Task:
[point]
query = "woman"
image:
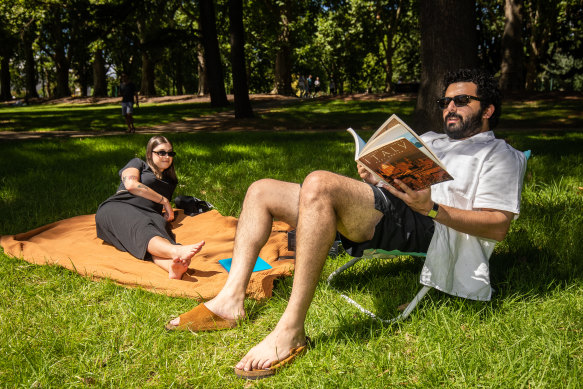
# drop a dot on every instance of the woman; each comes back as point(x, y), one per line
point(132, 219)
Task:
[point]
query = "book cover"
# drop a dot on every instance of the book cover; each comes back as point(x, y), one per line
point(396, 151)
point(401, 159)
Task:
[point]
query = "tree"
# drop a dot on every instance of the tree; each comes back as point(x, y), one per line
point(512, 66)
point(55, 38)
point(28, 36)
point(212, 56)
point(448, 42)
point(541, 20)
point(9, 39)
point(242, 104)
point(389, 18)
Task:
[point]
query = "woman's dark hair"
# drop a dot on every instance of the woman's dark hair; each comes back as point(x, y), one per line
point(487, 90)
point(153, 143)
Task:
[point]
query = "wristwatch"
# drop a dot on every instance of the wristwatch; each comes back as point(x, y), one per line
point(433, 213)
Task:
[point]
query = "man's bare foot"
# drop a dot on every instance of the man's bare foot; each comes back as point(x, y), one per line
point(228, 308)
point(275, 347)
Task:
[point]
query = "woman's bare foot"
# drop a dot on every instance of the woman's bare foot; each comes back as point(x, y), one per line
point(182, 258)
point(275, 347)
point(177, 269)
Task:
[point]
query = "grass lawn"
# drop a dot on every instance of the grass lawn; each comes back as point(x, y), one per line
point(364, 114)
point(58, 329)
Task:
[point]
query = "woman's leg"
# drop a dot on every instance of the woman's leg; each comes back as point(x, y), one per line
point(173, 258)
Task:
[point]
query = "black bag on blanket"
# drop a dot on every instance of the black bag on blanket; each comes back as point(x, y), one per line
point(191, 205)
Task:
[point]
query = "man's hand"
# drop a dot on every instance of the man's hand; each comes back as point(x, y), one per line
point(366, 175)
point(418, 200)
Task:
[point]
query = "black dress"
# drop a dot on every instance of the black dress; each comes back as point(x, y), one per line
point(129, 222)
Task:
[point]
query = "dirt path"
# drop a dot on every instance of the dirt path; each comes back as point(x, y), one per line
point(223, 121)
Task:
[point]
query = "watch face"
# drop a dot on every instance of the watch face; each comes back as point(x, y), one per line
point(433, 213)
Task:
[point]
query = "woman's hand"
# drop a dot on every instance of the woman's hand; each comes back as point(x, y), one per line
point(168, 211)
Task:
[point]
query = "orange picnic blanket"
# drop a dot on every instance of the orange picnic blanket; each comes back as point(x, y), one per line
point(73, 243)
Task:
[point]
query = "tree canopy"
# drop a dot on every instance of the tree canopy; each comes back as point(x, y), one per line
point(56, 48)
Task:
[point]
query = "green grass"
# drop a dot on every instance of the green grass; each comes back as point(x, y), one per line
point(94, 117)
point(558, 113)
point(59, 329)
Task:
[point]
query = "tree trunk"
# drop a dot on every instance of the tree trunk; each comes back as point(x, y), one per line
point(179, 81)
point(389, 68)
point(5, 93)
point(83, 80)
point(147, 87)
point(202, 74)
point(283, 60)
point(512, 67)
point(212, 55)
point(99, 77)
point(237, 37)
point(448, 42)
point(62, 69)
point(29, 63)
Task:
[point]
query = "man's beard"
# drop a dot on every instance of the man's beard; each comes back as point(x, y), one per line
point(464, 128)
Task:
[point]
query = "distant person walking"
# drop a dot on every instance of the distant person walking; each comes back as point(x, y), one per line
point(310, 86)
point(316, 86)
point(128, 91)
point(332, 87)
point(302, 85)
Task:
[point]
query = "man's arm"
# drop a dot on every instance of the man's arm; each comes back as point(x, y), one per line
point(485, 223)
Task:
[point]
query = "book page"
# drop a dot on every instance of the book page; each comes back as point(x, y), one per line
point(394, 128)
point(359, 143)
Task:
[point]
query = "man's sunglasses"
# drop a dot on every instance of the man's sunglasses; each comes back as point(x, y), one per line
point(459, 101)
point(163, 153)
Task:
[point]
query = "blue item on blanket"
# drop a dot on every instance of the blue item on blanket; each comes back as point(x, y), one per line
point(260, 264)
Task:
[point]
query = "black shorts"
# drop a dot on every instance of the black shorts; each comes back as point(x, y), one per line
point(400, 228)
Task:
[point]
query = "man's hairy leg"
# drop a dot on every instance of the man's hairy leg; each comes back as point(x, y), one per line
point(265, 200)
point(328, 202)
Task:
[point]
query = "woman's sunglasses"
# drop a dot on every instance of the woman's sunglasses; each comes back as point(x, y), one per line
point(459, 101)
point(163, 153)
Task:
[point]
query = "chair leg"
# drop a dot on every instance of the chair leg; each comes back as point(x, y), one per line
point(342, 268)
point(405, 314)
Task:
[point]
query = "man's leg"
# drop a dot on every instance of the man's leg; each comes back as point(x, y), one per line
point(265, 200)
point(328, 203)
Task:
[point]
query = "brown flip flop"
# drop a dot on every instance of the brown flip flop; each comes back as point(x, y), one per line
point(257, 374)
point(200, 318)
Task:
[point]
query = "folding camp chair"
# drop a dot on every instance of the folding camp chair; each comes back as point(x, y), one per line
point(383, 254)
point(380, 254)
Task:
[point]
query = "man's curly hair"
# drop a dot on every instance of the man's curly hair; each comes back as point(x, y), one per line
point(487, 91)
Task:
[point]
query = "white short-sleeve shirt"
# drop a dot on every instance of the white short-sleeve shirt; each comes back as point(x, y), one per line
point(488, 173)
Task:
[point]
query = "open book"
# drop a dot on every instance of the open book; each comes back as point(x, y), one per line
point(395, 151)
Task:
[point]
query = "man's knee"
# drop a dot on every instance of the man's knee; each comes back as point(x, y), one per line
point(318, 185)
point(263, 189)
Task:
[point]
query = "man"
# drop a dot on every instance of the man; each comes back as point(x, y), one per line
point(128, 91)
point(478, 206)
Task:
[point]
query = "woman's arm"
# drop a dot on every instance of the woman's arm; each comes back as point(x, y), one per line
point(131, 180)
